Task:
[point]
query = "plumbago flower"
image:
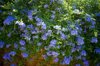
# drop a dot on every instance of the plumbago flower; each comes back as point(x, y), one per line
point(43, 25)
point(52, 53)
point(44, 37)
point(7, 57)
point(24, 55)
point(56, 60)
point(65, 30)
point(83, 53)
point(8, 45)
point(88, 17)
point(46, 6)
point(63, 36)
point(53, 43)
point(13, 65)
point(52, 16)
point(22, 48)
point(94, 40)
point(30, 14)
point(97, 50)
point(8, 20)
point(12, 53)
point(55, 54)
point(21, 24)
point(67, 60)
point(1, 44)
point(22, 42)
point(86, 63)
point(74, 32)
point(15, 45)
point(80, 40)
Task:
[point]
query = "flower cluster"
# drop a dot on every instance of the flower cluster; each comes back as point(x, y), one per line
point(65, 34)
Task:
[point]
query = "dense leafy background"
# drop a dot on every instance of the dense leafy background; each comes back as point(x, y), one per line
point(68, 30)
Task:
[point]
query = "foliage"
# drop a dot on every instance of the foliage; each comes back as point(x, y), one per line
point(68, 30)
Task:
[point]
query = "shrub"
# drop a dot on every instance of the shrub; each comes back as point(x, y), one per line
point(68, 30)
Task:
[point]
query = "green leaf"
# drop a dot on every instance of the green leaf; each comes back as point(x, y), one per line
point(95, 33)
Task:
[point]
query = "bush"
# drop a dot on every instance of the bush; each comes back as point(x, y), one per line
point(68, 30)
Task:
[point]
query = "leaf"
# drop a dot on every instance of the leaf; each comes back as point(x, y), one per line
point(95, 33)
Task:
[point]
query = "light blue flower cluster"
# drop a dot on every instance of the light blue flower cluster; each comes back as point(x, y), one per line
point(69, 34)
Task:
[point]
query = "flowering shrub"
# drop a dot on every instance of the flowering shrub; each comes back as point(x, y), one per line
point(67, 30)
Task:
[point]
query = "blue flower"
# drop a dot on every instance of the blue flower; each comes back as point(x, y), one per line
point(16, 45)
point(44, 56)
point(8, 45)
point(79, 47)
point(88, 18)
point(7, 56)
point(49, 32)
point(63, 36)
point(25, 55)
point(93, 22)
point(94, 40)
point(30, 14)
point(44, 37)
point(52, 16)
point(56, 60)
point(1, 44)
point(22, 42)
point(97, 50)
point(26, 36)
point(22, 48)
point(30, 26)
point(8, 20)
point(12, 53)
point(33, 31)
point(86, 63)
point(91, 27)
point(13, 65)
point(97, 14)
point(9, 35)
point(49, 53)
point(85, 30)
point(83, 53)
point(78, 28)
point(43, 25)
point(21, 24)
point(80, 41)
point(38, 19)
point(46, 6)
point(52, 53)
point(66, 60)
point(55, 54)
point(73, 50)
point(74, 32)
point(51, 1)
point(53, 43)
point(1, 11)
